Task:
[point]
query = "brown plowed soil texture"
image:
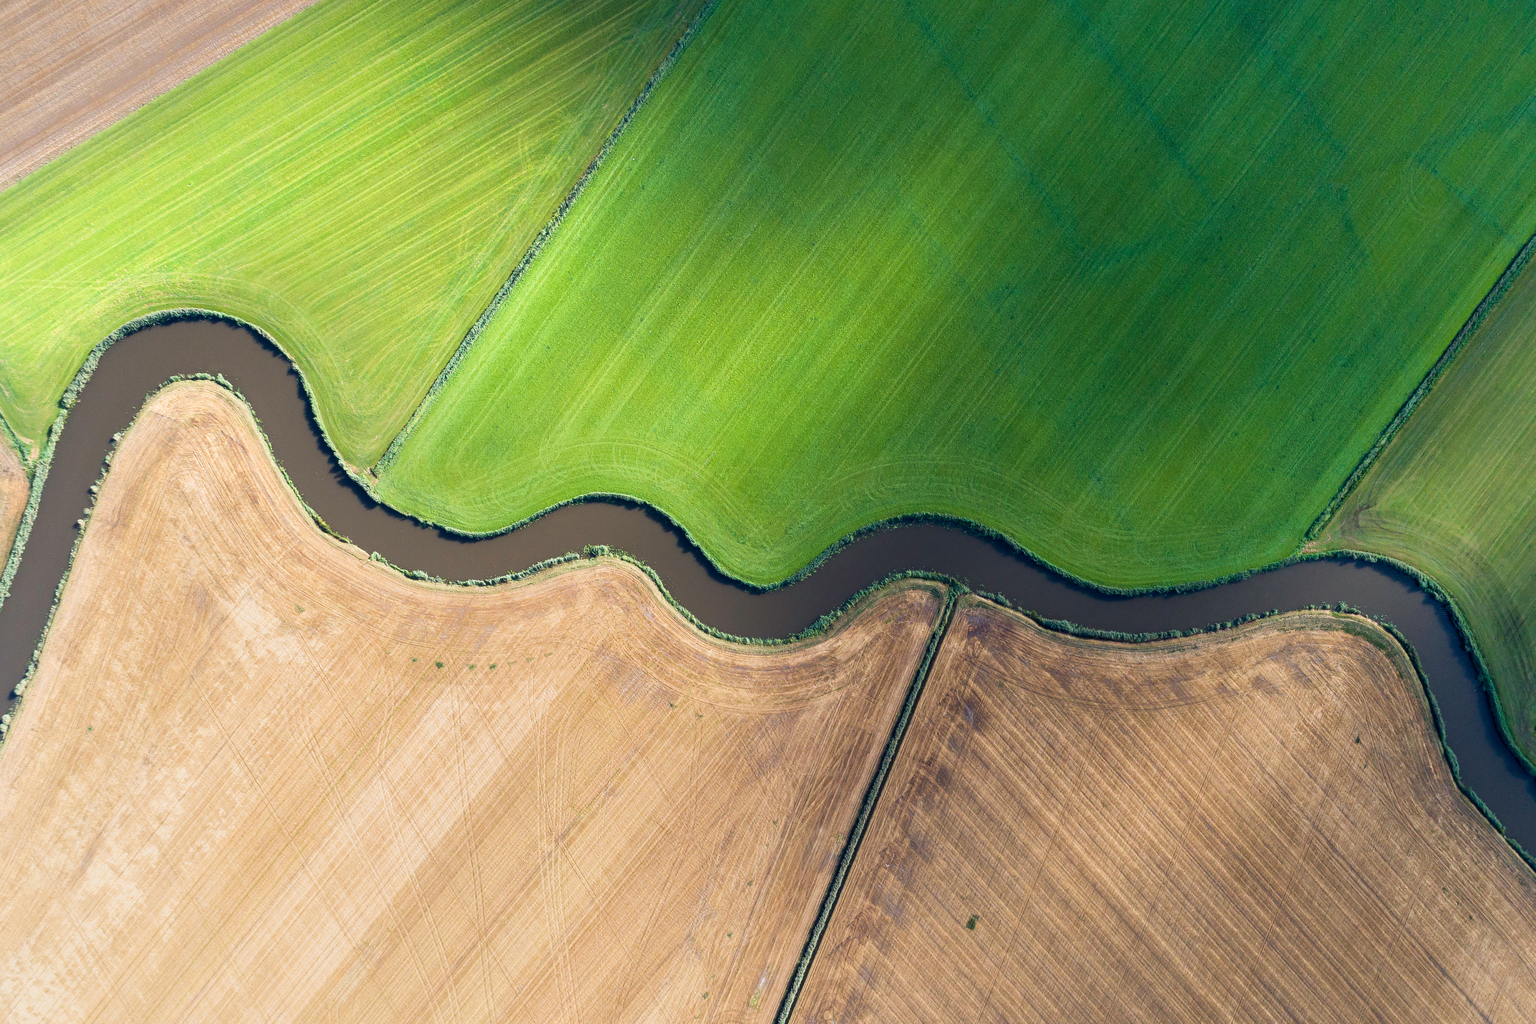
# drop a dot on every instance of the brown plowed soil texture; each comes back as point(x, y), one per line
point(259, 777)
point(1078, 830)
point(71, 69)
point(14, 489)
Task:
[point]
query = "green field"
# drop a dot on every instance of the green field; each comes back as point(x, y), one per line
point(358, 182)
point(1454, 495)
point(1135, 284)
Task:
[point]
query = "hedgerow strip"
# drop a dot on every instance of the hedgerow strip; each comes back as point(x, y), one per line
point(953, 592)
point(545, 233)
point(1479, 314)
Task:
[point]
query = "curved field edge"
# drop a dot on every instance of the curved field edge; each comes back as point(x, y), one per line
point(697, 535)
point(688, 339)
point(381, 492)
point(199, 477)
point(1346, 614)
point(369, 485)
point(850, 851)
point(828, 621)
point(39, 467)
point(1453, 494)
point(73, 393)
point(830, 618)
point(360, 180)
point(1346, 622)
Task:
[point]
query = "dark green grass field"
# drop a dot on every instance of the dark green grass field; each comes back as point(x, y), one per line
point(1454, 495)
point(1135, 284)
point(358, 182)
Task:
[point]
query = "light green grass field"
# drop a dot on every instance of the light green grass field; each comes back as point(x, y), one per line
point(1136, 284)
point(1454, 495)
point(358, 182)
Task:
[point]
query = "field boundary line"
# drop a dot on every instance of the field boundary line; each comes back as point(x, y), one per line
point(1473, 322)
point(953, 592)
point(539, 241)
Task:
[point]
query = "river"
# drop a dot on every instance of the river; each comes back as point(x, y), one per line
point(139, 364)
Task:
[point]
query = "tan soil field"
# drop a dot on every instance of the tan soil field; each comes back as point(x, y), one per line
point(71, 69)
point(258, 777)
point(14, 489)
point(1178, 831)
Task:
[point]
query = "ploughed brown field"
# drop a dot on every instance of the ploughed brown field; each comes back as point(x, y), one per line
point(1188, 830)
point(14, 489)
point(258, 777)
point(71, 69)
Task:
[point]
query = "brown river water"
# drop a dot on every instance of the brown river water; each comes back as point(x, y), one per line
point(133, 368)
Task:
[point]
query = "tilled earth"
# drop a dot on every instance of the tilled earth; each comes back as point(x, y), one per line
point(258, 776)
point(1254, 825)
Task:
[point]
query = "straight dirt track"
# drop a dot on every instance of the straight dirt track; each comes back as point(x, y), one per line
point(71, 69)
point(258, 777)
point(1078, 830)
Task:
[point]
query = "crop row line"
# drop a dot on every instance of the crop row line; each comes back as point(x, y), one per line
point(544, 235)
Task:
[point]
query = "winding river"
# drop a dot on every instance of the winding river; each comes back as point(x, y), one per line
point(133, 368)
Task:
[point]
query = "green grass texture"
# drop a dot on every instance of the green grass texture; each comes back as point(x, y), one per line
point(1136, 284)
point(358, 182)
point(1454, 496)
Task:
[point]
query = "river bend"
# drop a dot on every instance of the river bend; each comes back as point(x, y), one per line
point(141, 363)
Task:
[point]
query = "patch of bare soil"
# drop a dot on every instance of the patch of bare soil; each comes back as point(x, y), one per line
point(1256, 825)
point(71, 69)
point(14, 489)
point(258, 777)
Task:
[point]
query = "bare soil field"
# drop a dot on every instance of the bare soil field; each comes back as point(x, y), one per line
point(71, 69)
point(1255, 825)
point(259, 777)
point(14, 489)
